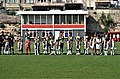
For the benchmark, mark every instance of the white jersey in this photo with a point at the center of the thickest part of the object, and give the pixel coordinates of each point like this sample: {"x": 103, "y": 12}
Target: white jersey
{"x": 6, "y": 46}
{"x": 86, "y": 44}
{"x": 45, "y": 45}
{"x": 19, "y": 45}
{"x": 106, "y": 45}
{"x": 69, "y": 45}
{"x": 98, "y": 43}
{"x": 92, "y": 43}
{"x": 52, "y": 45}
{"x": 36, "y": 45}
{"x": 77, "y": 45}
{"x": 112, "y": 44}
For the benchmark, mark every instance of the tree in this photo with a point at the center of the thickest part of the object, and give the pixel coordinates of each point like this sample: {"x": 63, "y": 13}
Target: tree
{"x": 2, "y": 25}
{"x": 107, "y": 21}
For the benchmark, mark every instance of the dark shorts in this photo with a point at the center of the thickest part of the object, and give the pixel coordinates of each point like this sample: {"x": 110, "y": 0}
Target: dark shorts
{"x": 11, "y": 44}
{"x": 0, "y": 44}
{"x": 3, "y": 44}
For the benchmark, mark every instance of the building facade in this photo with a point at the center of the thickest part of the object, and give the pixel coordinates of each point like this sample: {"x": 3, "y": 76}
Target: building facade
{"x": 27, "y": 4}
{"x": 69, "y": 18}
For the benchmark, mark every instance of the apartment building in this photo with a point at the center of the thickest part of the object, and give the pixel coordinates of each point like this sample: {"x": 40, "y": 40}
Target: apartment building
{"x": 27, "y": 4}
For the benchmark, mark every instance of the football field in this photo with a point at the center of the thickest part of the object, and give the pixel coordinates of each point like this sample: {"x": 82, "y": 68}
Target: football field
{"x": 60, "y": 66}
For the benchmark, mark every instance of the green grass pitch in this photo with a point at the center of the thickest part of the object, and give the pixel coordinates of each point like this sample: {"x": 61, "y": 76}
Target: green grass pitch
{"x": 60, "y": 67}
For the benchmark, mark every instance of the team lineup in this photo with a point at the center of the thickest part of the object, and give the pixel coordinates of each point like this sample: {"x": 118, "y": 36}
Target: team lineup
{"x": 98, "y": 45}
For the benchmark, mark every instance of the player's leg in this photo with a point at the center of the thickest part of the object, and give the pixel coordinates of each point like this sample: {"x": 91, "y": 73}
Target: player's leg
{"x": 3, "y": 48}
{"x": 26, "y": 50}
{"x": 111, "y": 51}
{"x": 12, "y": 48}
{"x": 0, "y": 50}
{"x": 38, "y": 51}
{"x": 35, "y": 51}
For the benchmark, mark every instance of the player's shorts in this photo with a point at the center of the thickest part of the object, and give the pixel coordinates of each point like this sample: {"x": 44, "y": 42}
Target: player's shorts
{"x": 11, "y": 44}
{"x": 3, "y": 44}
{"x": 0, "y": 44}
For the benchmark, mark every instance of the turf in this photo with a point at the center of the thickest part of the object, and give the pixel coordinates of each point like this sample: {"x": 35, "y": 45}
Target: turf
{"x": 60, "y": 67}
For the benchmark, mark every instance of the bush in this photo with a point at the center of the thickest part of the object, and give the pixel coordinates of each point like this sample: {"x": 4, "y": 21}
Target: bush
{"x": 2, "y": 26}
{"x": 11, "y": 13}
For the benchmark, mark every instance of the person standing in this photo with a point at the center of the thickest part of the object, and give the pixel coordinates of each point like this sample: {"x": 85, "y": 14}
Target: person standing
{"x": 51, "y": 38}
{"x": 69, "y": 47}
{"x": 78, "y": 44}
{"x": 95, "y": 43}
{"x": 98, "y": 41}
{"x": 106, "y": 46}
{"x": 36, "y": 46}
{"x": 11, "y": 43}
{"x": 44, "y": 46}
{"x": 20, "y": 44}
{"x": 58, "y": 46}
{"x": 27, "y": 43}
{"x": 2, "y": 41}
{"x": 86, "y": 46}
{"x": 52, "y": 45}
{"x": 112, "y": 46}
{"x": 61, "y": 39}
{"x": 27, "y": 36}
{"x": 48, "y": 42}
{"x": 6, "y": 45}
{"x": 92, "y": 45}
{"x": 102, "y": 48}
{"x": 118, "y": 37}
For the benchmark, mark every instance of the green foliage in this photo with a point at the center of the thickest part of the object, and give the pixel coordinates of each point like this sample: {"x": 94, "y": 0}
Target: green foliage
{"x": 2, "y": 26}
{"x": 107, "y": 21}
{"x": 28, "y": 9}
{"x": 11, "y": 13}
{"x": 106, "y": 30}
{"x": 103, "y": 18}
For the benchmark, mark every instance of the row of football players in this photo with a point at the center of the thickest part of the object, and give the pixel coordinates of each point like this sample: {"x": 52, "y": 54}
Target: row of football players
{"x": 95, "y": 44}
{"x": 99, "y": 45}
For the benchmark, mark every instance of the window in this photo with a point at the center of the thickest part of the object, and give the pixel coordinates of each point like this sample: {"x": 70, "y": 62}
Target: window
{"x": 69, "y": 20}
{"x": 37, "y": 19}
{"x": 56, "y": 19}
{"x": 81, "y": 19}
{"x": 31, "y": 19}
{"x": 28, "y": 1}
{"x": 25, "y": 19}
{"x": 75, "y": 19}
{"x": 62, "y": 19}
{"x": 49, "y": 19}
{"x": 43, "y": 19}
{"x": 12, "y": 1}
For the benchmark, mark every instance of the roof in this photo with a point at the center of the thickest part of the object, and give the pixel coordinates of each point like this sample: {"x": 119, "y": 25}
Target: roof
{"x": 54, "y": 12}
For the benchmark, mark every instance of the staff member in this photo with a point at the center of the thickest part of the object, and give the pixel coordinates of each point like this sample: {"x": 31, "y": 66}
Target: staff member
{"x": 11, "y": 43}
{"x": 2, "y": 41}
{"x": 61, "y": 39}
